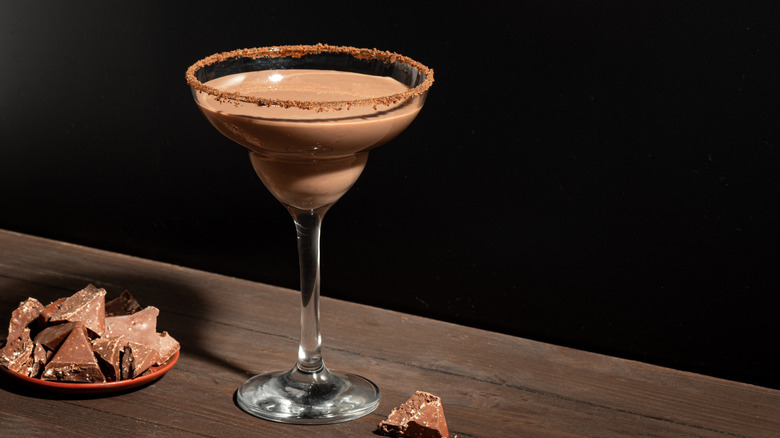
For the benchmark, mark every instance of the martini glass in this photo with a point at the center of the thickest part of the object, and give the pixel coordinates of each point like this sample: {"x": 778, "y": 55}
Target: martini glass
{"x": 309, "y": 116}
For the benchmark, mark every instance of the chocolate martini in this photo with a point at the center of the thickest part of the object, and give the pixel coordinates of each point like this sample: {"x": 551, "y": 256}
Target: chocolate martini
{"x": 309, "y": 116}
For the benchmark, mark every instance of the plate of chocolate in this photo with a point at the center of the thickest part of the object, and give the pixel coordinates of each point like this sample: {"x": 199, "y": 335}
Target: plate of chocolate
{"x": 85, "y": 344}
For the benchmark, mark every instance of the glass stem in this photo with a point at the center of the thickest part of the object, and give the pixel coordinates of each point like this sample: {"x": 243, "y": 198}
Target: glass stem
{"x": 308, "y": 224}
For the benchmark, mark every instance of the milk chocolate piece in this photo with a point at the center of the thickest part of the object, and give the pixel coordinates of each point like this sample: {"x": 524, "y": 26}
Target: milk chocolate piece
{"x": 17, "y": 351}
{"x": 35, "y": 363}
{"x": 143, "y": 358}
{"x": 48, "y": 311}
{"x": 139, "y": 327}
{"x": 19, "y": 346}
{"x": 109, "y": 355}
{"x": 422, "y": 416}
{"x": 22, "y": 316}
{"x": 74, "y": 361}
{"x": 126, "y": 363}
{"x": 168, "y": 346}
{"x": 125, "y": 304}
{"x": 88, "y": 306}
{"x": 54, "y": 335}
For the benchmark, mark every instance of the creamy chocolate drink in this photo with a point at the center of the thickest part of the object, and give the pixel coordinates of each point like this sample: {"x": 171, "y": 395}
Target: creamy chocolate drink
{"x": 308, "y": 158}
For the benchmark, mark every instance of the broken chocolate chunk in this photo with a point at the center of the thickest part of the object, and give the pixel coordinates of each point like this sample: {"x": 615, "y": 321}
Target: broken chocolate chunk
{"x": 35, "y": 363}
{"x": 74, "y": 361}
{"x": 126, "y": 363}
{"x": 17, "y": 351}
{"x": 124, "y": 304}
{"x": 422, "y": 416}
{"x": 48, "y": 311}
{"x": 22, "y": 316}
{"x": 168, "y": 346}
{"x": 143, "y": 358}
{"x": 88, "y": 306}
{"x": 109, "y": 353}
{"x": 139, "y": 327}
{"x": 53, "y": 336}
{"x": 19, "y": 346}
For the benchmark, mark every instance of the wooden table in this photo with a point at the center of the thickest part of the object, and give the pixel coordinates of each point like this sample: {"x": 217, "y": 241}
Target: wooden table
{"x": 491, "y": 385}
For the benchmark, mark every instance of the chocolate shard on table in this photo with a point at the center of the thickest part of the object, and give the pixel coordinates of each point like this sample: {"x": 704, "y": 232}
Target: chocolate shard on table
{"x": 124, "y": 304}
{"x": 422, "y": 416}
{"x": 17, "y": 350}
{"x": 54, "y": 335}
{"x": 88, "y": 306}
{"x": 109, "y": 354}
{"x": 74, "y": 361}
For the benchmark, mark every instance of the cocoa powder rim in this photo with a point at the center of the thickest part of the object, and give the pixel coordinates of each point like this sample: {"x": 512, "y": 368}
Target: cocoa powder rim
{"x": 297, "y": 51}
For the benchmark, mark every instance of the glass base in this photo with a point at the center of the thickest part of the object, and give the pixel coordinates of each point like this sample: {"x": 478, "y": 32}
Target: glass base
{"x": 301, "y": 397}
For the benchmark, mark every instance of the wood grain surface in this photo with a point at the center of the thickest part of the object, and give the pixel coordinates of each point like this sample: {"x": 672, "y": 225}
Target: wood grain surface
{"x": 491, "y": 385}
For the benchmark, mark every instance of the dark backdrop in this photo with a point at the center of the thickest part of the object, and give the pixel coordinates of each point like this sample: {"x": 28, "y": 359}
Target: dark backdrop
{"x": 602, "y": 175}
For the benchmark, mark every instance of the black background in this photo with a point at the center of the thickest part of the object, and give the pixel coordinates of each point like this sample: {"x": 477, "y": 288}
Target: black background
{"x": 602, "y": 175}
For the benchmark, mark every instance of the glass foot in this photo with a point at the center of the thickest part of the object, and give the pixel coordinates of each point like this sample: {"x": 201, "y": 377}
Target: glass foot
{"x": 301, "y": 397}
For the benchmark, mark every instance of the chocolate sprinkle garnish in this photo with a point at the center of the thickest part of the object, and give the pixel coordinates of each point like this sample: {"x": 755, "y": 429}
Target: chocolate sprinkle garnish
{"x": 296, "y": 51}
